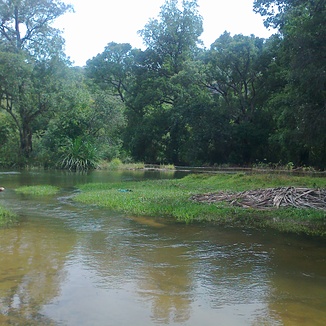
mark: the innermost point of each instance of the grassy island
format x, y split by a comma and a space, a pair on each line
173, 198
41, 190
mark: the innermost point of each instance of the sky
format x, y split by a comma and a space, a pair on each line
95, 23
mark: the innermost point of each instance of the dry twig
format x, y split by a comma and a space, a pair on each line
270, 197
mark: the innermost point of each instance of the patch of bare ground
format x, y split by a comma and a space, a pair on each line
269, 198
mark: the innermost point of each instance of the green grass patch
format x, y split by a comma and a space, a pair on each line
43, 190
171, 198
7, 218
117, 164
242, 181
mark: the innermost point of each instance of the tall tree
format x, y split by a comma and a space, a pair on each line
174, 36
31, 62
302, 26
26, 25
28, 91
236, 74
156, 108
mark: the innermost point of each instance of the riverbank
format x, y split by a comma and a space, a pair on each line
172, 198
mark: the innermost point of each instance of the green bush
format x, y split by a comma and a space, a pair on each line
114, 164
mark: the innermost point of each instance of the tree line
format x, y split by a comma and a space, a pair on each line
243, 101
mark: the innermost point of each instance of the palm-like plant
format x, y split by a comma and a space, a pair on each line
78, 155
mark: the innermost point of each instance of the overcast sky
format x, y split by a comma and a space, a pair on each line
95, 23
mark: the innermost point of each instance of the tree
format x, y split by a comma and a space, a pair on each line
31, 63
174, 37
9, 141
26, 26
236, 74
111, 69
302, 28
30, 90
89, 119
156, 106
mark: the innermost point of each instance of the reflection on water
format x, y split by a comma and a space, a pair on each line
31, 270
68, 264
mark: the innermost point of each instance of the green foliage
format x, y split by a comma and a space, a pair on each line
115, 164
244, 100
9, 142
88, 113
26, 26
111, 69
175, 35
162, 93
300, 102
78, 155
31, 61
236, 69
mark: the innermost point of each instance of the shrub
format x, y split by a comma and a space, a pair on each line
78, 155
115, 164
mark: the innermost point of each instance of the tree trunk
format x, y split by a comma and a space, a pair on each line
26, 140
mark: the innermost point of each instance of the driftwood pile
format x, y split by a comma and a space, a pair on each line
269, 198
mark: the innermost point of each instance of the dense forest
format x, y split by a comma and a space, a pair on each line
243, 101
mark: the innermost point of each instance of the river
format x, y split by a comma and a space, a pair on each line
71, 264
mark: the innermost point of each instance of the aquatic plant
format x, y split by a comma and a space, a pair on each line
41, 190
7, 217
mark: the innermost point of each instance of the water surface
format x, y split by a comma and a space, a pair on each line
71, 264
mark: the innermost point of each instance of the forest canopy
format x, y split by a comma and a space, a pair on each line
243, 101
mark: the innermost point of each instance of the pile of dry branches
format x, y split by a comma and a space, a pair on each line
270, 197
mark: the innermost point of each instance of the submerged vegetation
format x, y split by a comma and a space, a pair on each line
7, 218
172, 198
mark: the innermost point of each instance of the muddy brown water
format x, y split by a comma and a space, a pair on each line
71, 264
